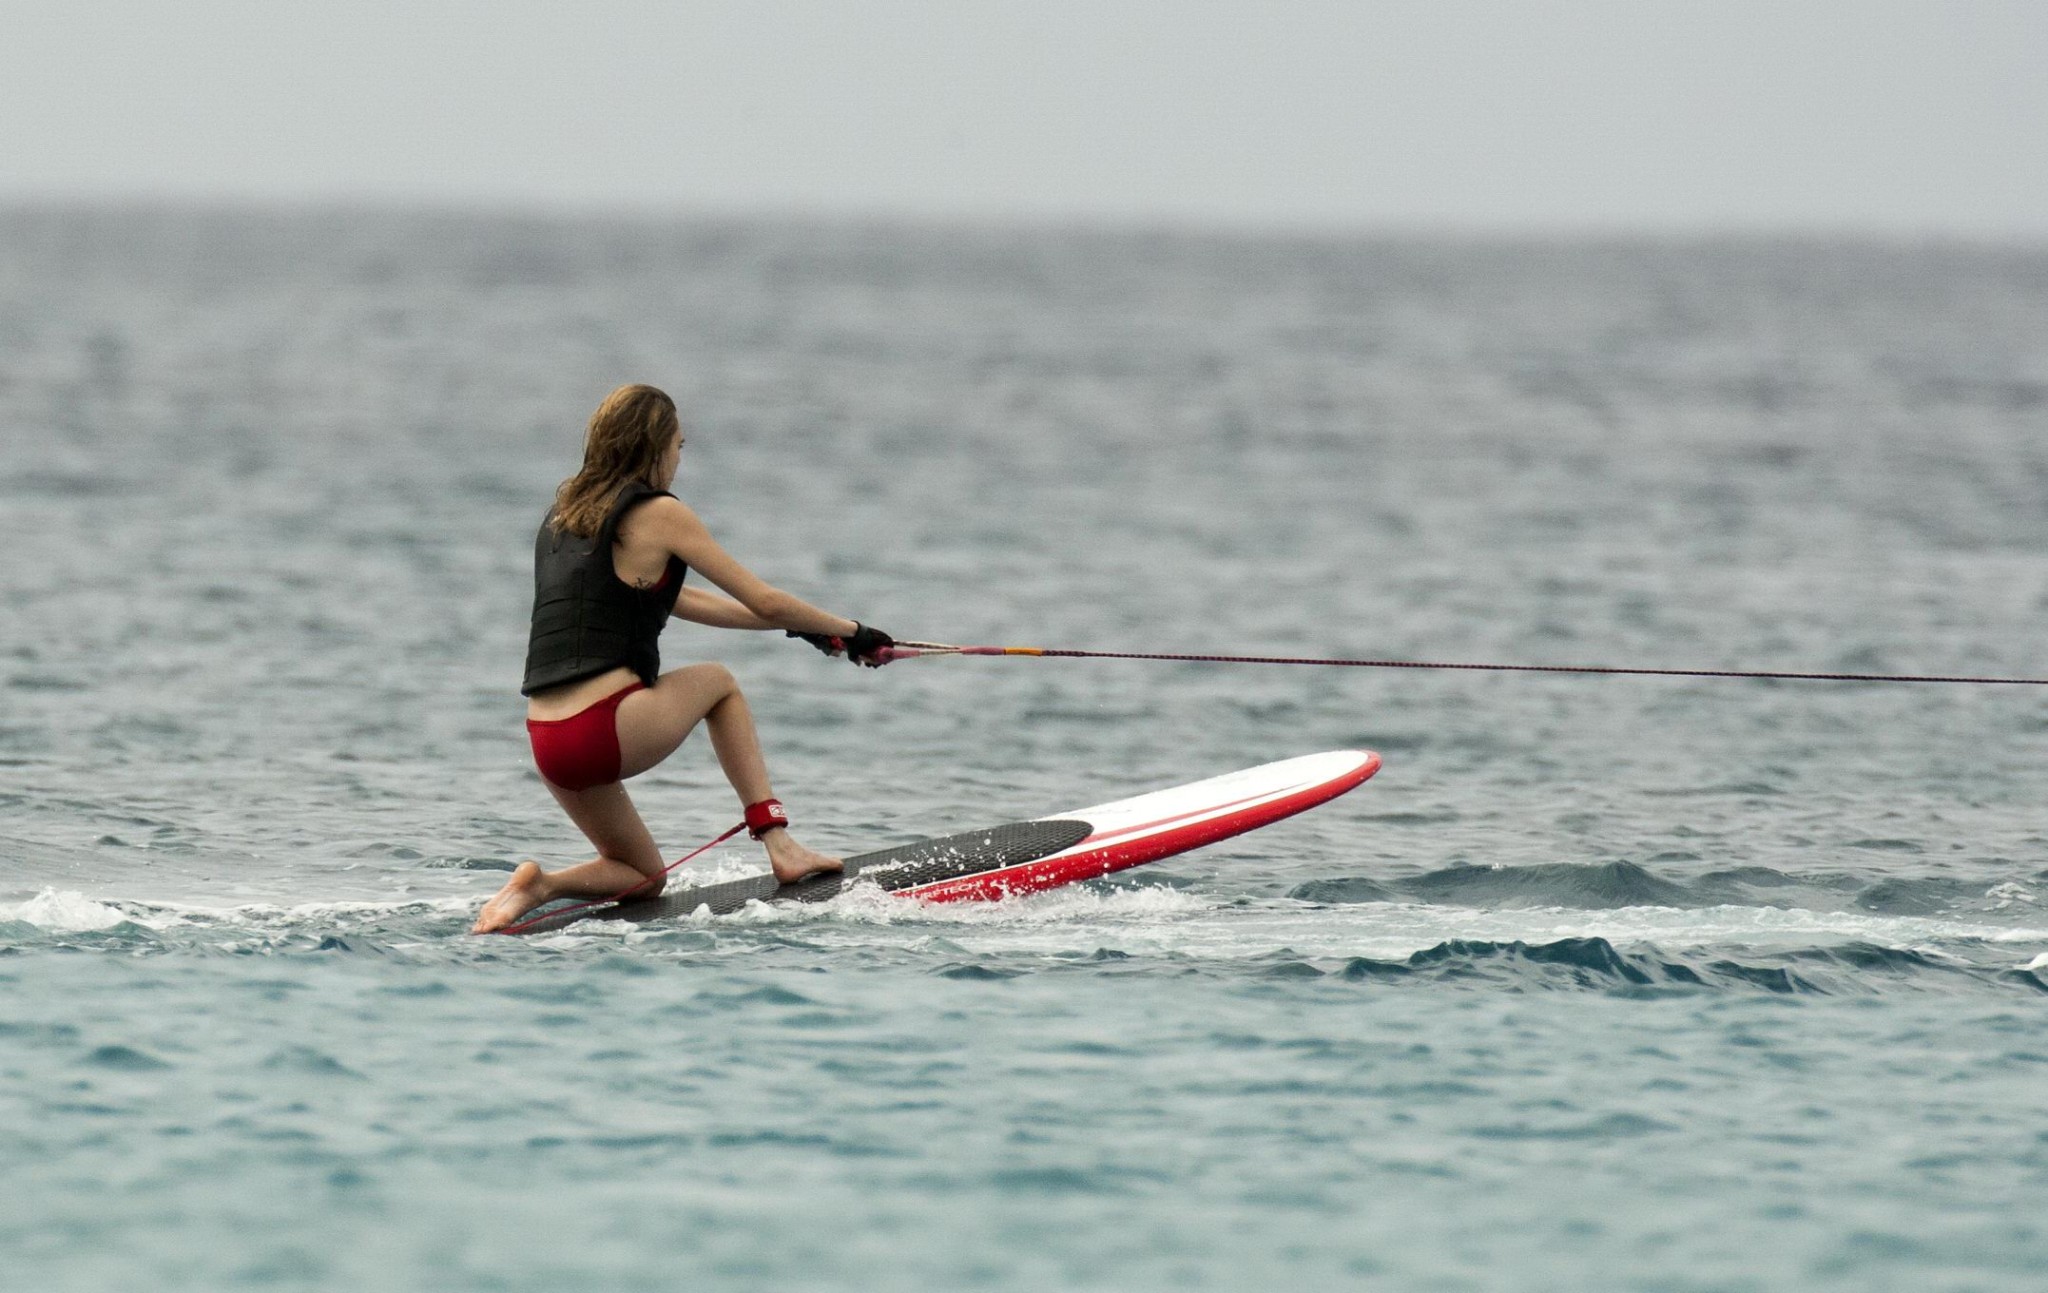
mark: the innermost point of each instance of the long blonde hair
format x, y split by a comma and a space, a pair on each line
628, 434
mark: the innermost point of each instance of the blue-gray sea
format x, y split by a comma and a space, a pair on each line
1611, 982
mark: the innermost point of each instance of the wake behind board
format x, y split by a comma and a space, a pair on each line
1043, 853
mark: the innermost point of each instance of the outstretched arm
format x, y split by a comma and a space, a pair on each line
700, 606
754, 604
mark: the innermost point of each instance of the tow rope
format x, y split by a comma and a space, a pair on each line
917, 650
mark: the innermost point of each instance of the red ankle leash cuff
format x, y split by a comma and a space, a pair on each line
765, 816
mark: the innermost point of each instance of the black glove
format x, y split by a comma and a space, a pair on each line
865, 646
860, 646
825, 642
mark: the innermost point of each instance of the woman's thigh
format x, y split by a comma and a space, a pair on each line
653, 722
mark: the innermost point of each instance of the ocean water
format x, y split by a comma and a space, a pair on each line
1619, 982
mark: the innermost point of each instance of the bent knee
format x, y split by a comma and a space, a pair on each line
653, 877
710, 682
716, 679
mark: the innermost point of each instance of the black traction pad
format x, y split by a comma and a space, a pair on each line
906, 866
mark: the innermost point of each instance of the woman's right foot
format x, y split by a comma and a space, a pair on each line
521, 894
792, 861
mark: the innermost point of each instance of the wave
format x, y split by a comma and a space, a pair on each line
62, 912
1151, 930
54, 913
1592, 886
1852, 968
1606, 886
58, 911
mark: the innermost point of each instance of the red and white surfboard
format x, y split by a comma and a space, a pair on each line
1041, 853
1145, 828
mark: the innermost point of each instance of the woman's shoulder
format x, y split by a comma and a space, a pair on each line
656, 515
656, 504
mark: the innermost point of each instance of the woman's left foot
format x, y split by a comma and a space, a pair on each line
521, 894
792, 861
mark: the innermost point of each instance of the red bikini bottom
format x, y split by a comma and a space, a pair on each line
582, 750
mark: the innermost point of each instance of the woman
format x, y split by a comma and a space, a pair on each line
608, 571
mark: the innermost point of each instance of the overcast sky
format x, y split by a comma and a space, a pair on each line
1900, 116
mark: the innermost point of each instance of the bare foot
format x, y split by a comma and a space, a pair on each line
792, 861
521, 894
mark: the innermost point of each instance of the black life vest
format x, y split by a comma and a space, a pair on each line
586, 619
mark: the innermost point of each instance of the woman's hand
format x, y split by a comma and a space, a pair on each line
863, 646
825, 642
